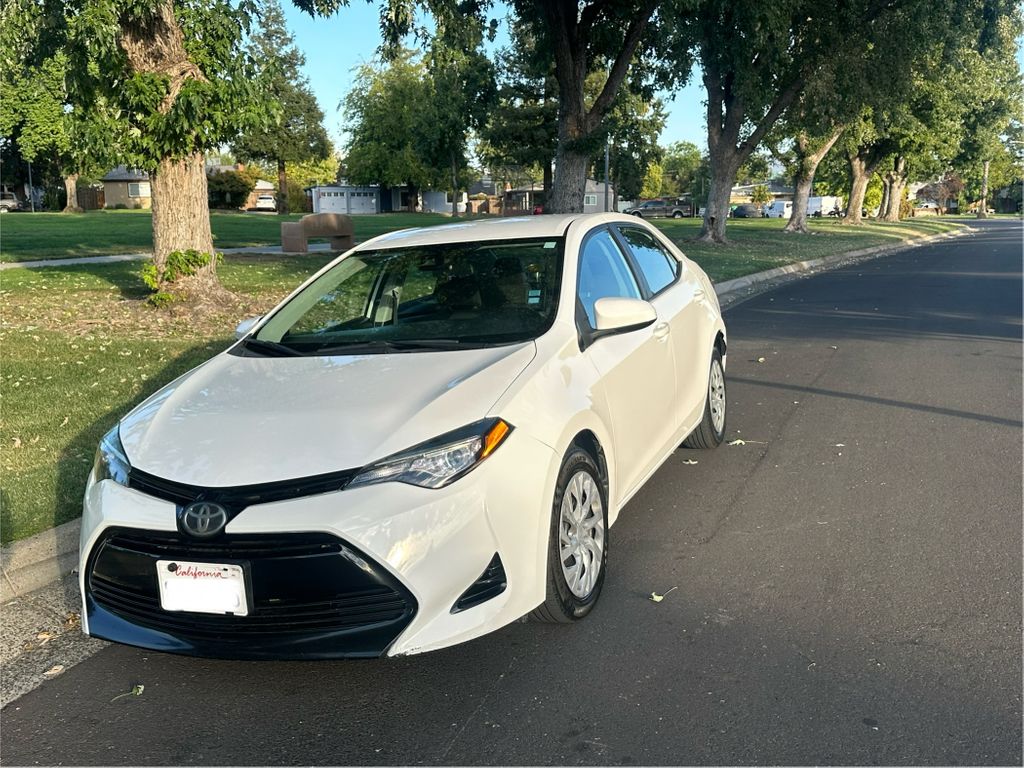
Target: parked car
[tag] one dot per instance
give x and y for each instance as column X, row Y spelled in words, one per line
column 265, row 203
column 654, row 209
column 747, row 211
column 426, row 441
column 9, row 202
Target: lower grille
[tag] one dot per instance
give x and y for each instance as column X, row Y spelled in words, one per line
column 311, row 594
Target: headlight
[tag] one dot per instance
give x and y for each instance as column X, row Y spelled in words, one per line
column 441, row 461
column 111, row 462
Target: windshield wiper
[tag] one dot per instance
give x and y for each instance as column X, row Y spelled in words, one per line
column 273, row 348
column 389, row 345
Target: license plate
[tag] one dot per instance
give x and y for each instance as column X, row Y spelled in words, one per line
column 202, row 587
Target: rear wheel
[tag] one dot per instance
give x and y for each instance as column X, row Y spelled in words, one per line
column 677, row 214
column 711, row 431
column 578, row 541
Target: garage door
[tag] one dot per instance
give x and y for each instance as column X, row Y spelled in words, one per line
column 332, row 201
column 362, row 202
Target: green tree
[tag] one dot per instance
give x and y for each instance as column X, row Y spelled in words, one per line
column 387, row 113
column 296, row 133
column 173, row 82
column 761, row 195
column 652, row 181
column 682, row 163
column 599, row 35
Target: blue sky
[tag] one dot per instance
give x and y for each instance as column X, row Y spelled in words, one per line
column 335, row 45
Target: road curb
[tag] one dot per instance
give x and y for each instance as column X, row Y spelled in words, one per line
column 731, row 291
column 34, row 562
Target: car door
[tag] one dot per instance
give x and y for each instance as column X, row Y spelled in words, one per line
column 679, row 297
column 636, row 368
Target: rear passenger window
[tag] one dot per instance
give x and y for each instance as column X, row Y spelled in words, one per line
column 603, row 273
column 658, row 268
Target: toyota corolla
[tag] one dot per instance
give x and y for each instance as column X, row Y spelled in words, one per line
column 429, row 439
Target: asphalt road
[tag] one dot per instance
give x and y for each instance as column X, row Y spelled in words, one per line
column 848, row 581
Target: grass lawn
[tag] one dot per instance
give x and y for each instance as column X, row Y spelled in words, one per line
column 30, row 236
column 80, row 348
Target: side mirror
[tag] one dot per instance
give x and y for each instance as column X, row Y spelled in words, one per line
column 245, row 326
column 619, row 315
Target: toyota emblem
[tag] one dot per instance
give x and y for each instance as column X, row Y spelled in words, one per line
column 203, row 519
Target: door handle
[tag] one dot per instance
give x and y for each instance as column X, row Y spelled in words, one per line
column 661, row 330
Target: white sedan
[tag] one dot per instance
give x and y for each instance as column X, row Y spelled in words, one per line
column 427, row 440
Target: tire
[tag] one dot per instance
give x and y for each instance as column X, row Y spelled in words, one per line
column 677, row 214
column 638, row 214
column 568, row 601
column 711, row 431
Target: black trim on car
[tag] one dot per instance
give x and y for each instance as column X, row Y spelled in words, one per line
column 492, row 582
column 236, row 498
column 312, row 595
column 645, row 287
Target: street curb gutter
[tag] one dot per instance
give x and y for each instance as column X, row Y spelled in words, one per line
column 731, row 291
column 34, row 562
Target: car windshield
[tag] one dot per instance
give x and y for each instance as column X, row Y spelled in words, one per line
column 450, row 296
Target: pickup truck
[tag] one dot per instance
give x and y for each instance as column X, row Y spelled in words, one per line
column 653, row 209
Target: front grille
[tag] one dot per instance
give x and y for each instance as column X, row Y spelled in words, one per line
column 236, row 498
column 307, row 588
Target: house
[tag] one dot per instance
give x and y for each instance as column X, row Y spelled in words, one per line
column 126, row 188
column 262, row 187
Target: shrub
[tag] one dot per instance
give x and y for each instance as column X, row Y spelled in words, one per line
column 229, row 189
column 179, row 264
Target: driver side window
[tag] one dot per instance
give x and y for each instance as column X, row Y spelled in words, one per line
column 603, row 272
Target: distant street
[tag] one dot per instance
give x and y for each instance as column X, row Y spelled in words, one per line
column 848, row 581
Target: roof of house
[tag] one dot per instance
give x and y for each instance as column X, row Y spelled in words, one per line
column 262, row 185
column 121, row 173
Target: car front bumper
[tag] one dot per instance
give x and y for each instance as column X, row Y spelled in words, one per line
column 388, row 569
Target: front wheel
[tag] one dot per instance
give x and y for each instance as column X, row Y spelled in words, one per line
column 677, row 214
column 711, row 431
column 638, row 214
column 578, row 542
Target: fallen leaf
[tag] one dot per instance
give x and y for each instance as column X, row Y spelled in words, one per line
column 53, row 671
column 135, row 691
column 840, row 445
column 760, row 359
column 65, row 422
column 690, row 462
column 72, row 620
column 17, row 442
column 834, row 347
column 739, row 441
column 44, row 637
column 656, row 598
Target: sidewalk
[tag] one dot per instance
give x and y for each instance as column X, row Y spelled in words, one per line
column 114, row 258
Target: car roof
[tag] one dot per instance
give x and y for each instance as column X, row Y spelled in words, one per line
column 510, row 228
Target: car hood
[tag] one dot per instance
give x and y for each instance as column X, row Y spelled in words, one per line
column 244, row 420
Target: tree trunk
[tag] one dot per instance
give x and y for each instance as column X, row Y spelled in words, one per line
column 570, row 32
column 548, row 177
column 282, row 187
column 716, row 213
column 883, row 207
column 897, row 178
column 983, row 206
column 807, row 166
column 71, row 186
column 181, row 211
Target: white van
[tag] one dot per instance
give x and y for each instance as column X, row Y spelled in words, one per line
column 780, row 209
column 826, row 205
